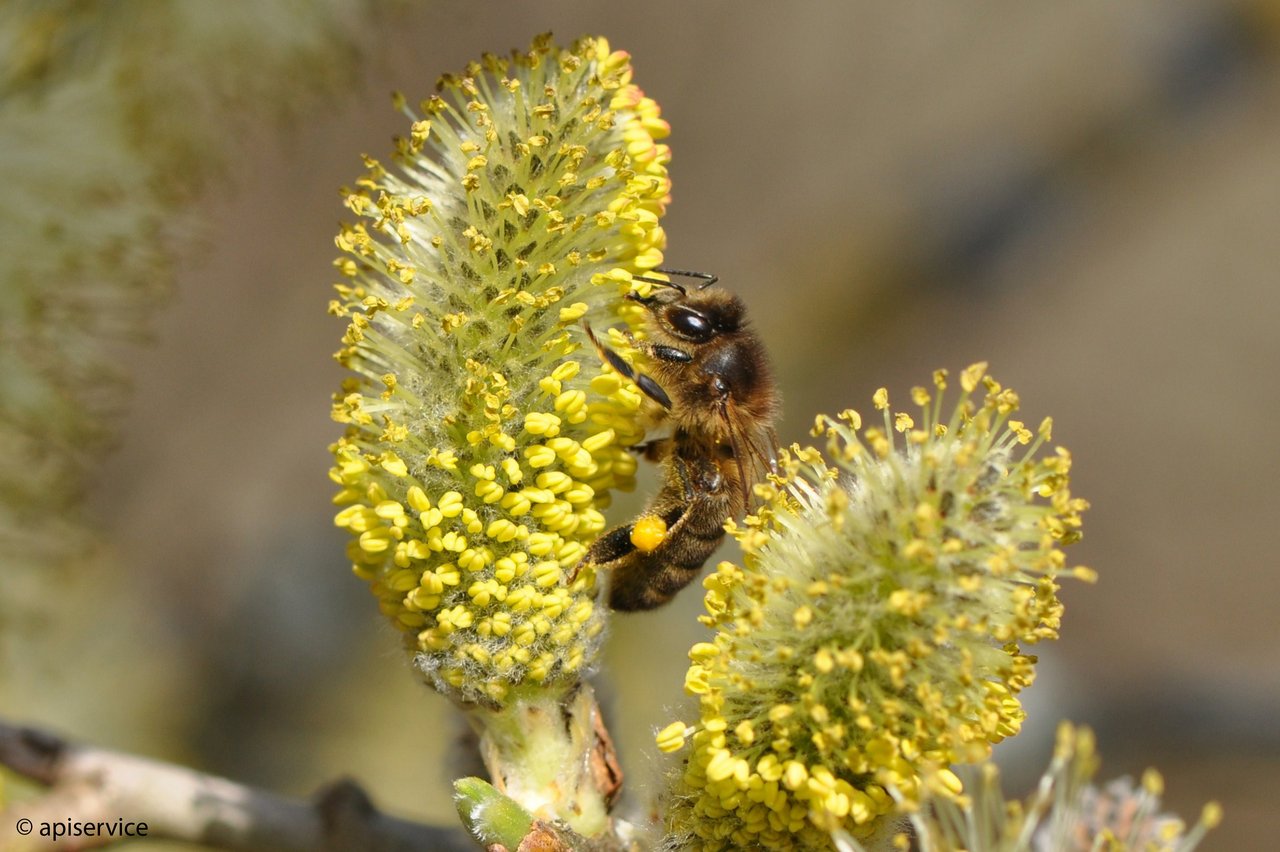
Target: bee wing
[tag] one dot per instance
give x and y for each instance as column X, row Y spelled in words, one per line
column 755, row 449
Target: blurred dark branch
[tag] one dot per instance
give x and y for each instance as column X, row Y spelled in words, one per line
column 88, row 784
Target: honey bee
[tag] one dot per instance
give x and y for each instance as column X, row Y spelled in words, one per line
column 712, row 384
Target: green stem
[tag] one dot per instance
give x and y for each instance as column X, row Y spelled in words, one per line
column 549, row 752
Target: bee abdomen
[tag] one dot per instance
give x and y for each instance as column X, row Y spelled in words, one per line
column 631, row 593
column 651, row 581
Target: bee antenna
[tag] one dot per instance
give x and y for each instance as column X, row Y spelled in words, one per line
column 706, row 277
column 673, row 285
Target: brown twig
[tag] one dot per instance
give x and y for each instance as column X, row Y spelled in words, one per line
column 111, row 789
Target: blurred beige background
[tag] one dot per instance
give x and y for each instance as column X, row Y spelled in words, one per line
column 1086, row 195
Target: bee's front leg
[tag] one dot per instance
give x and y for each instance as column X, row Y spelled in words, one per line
column 652, row 451
column 647, row 385
column 657, row 351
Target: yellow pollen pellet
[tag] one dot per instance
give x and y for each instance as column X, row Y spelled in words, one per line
column 648, row 533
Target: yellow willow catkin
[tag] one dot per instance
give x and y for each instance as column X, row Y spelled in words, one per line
column 482, row 439
column 879, row 621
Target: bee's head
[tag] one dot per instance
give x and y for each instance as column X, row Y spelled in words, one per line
column 697, row 317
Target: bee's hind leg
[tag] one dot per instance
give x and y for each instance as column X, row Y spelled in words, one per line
column 610, row 547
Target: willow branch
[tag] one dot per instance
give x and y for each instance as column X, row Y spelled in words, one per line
column 93, row 785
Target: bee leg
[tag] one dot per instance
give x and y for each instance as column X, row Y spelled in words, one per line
column 647, row 386
column 610, row 547
column 682, row 472
column 614, row 544
column 652, row 451
column 658, row 352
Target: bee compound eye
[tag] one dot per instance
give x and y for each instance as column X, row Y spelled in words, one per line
column 690, row 324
